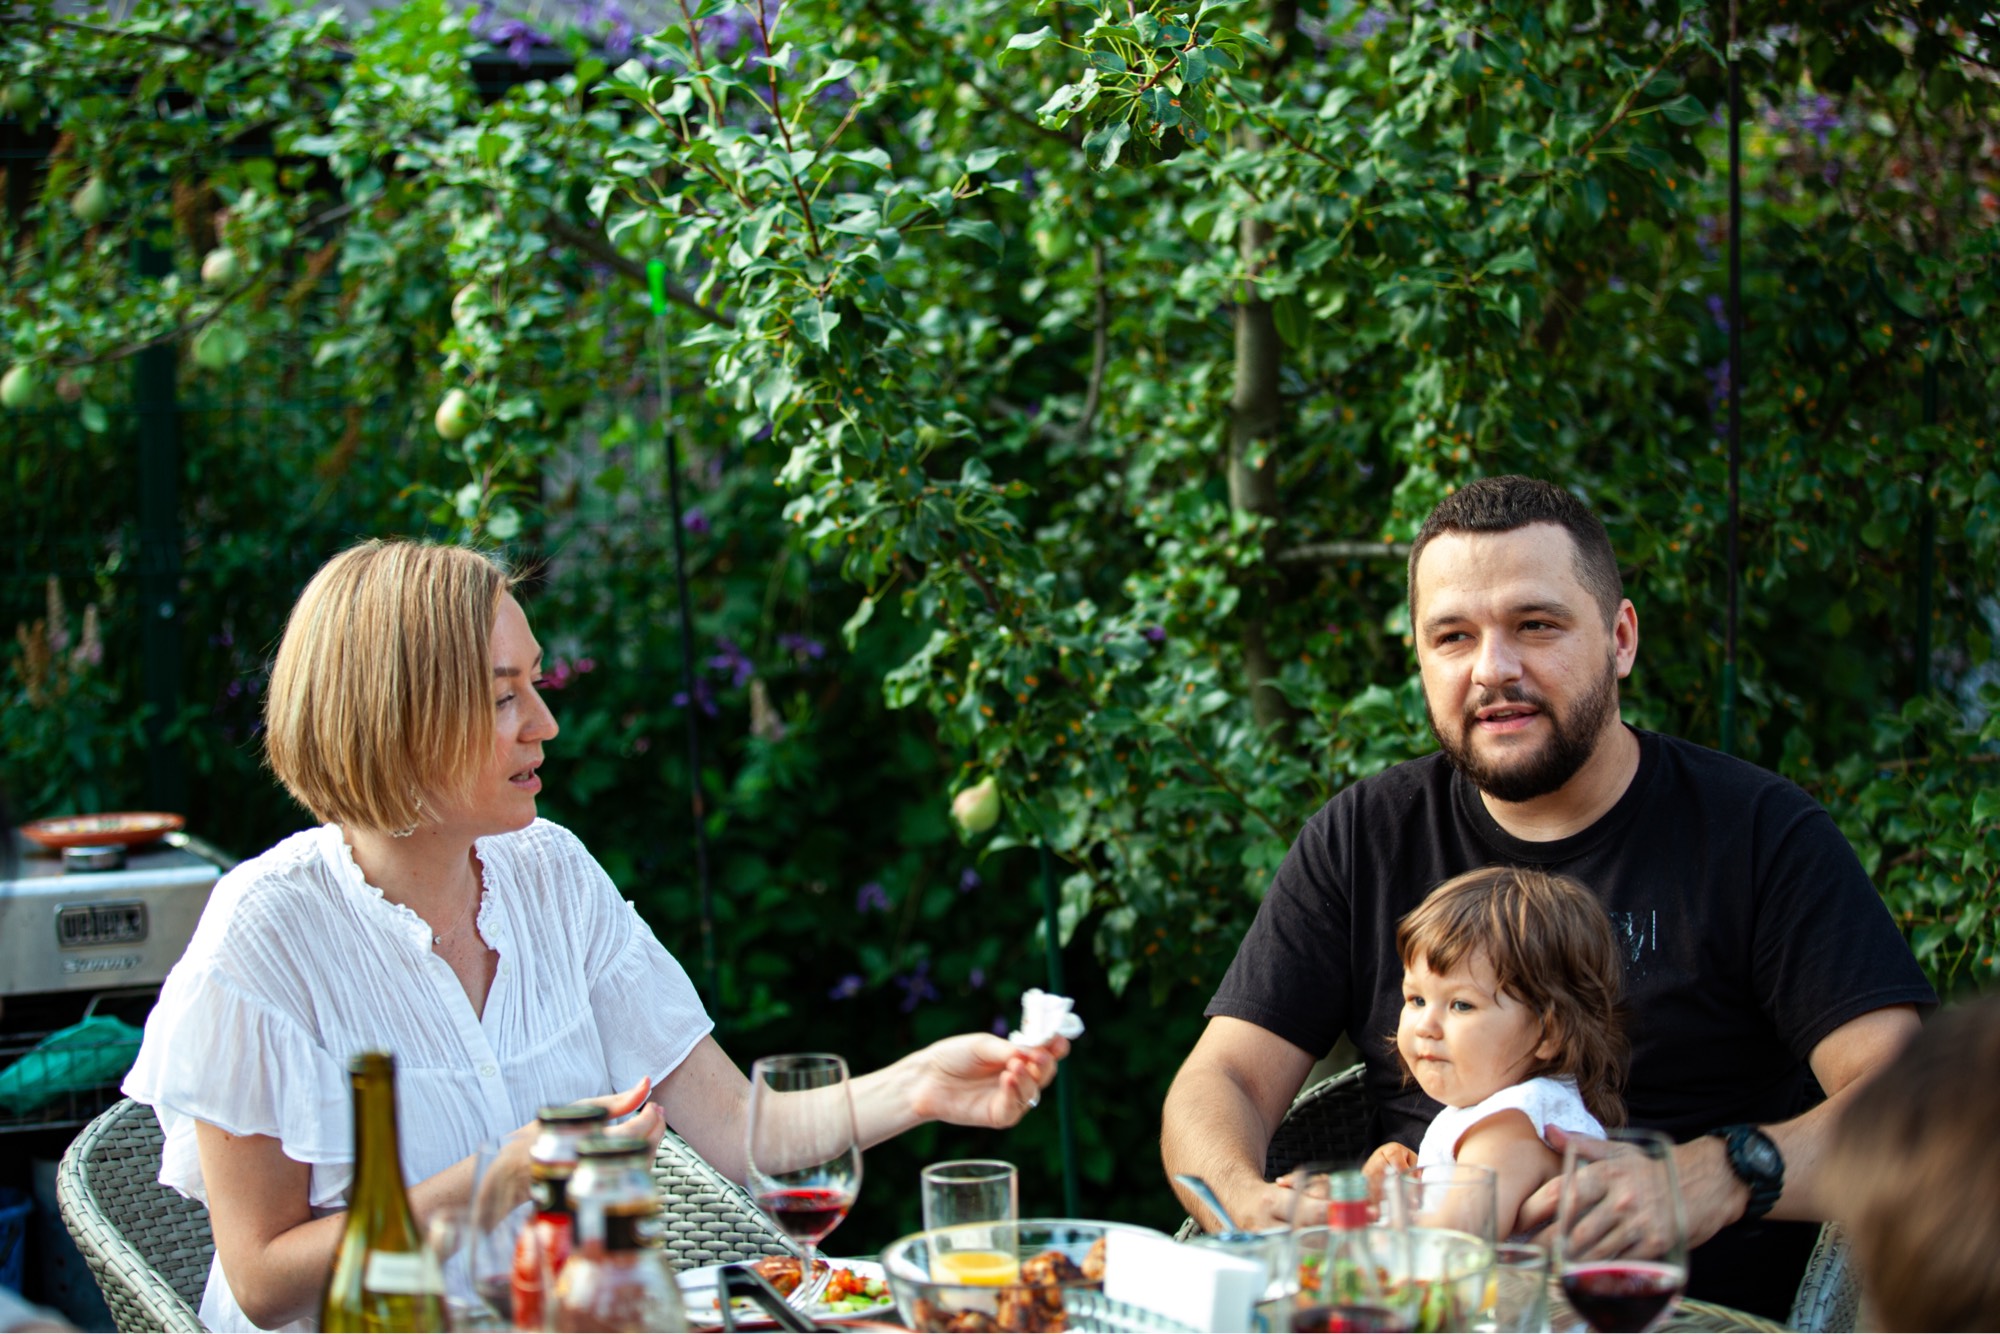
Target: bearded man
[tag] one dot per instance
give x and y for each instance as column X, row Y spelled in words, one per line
column 1765, row 980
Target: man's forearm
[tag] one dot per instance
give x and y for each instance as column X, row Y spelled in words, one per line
column 1213, row 1129
column 1844, row 1063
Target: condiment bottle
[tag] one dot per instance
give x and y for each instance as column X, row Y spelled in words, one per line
column 618, row 1277
column 545, row 1243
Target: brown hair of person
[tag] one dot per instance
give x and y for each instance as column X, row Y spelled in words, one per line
column 1551, row 947
column 381, row 699
column 1914, row 1173
column 1503, row 504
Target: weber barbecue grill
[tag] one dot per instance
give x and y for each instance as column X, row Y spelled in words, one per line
column 84, row 934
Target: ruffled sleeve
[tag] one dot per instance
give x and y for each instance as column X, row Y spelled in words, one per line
column 215, row 1053
column 649, row 1016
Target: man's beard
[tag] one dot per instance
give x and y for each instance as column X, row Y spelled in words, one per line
column 1572, row 741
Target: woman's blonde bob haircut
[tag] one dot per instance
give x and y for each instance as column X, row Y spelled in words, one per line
column 381, row 701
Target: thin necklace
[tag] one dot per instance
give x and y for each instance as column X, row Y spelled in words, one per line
column 479, row 892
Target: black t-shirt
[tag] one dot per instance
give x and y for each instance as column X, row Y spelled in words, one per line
column 1751, row 932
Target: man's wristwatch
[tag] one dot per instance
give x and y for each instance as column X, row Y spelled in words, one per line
column 1755, row 1160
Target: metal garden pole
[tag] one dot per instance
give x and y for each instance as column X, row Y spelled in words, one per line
column 1926, row 531
column 656, row 282
column 1065, row 1108
column 1735, row 375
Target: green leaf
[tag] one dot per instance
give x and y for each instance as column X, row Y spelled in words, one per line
column 815, row 323
column 984, row 232
column 982, row 159
column 1684, row 110
column 1514, row 261
column 1101, row 148
column 864, row 613
column 1026, row 41
column 1986, row 806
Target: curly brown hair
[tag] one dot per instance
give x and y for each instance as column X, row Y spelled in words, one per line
column 1551, row 945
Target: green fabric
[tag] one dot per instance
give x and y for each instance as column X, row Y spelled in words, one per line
column 82, row 1056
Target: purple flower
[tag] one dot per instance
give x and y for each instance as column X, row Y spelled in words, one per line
column 1000, row 1025
column 1372, row 21
column 695, row 521
column 1718, row 310
column 847, row 988
column 731, row 659
column 1718, row 396
column 968, row 880
column 1615, row 283
column 1028, row 180
column 916, row 985
column 803, row 646
column 976, row 978
column 1156, row 633
column 517, row 35
column 704, row 697
column 871, row 897
column 1364, row 470
column 1817, row 117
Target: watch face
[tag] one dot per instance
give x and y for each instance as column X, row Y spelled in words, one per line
column 1760, row 1155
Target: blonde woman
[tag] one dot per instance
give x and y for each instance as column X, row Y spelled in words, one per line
column 432, row 914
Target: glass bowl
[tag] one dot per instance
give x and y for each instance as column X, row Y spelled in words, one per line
column 998, row 1276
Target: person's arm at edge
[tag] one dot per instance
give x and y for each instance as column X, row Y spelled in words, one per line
column 1843, row 1061
column 276, row 1256
column 1220, row 1114
column 973, row 1079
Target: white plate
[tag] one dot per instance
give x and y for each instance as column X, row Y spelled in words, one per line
column 698, row 1288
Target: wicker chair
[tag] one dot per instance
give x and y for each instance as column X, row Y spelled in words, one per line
column 1829, row 1296
column 147, row 1245
column 1327, row 1123
column 707, row 1219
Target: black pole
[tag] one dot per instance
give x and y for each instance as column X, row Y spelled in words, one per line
column 1735, row 378
column 160, row 540
column 1926, row 528
column 656, row 275
column 1065, row 1108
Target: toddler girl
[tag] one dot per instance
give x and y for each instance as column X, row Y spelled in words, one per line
column 1510, row 1019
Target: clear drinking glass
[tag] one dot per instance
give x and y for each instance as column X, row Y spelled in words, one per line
column 1351, row 1263
column 1450, row 1210
column 495, row 1217
column 1621, row 1269
column 967, row 1192
column 1520, row 1290
column 804, row 1161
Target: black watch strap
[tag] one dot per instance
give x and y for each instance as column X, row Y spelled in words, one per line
column 1755, row 1159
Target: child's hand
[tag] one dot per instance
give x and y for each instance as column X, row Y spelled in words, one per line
column 1391, row 1160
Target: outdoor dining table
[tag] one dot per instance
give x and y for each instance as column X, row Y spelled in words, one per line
column 1690, row 1315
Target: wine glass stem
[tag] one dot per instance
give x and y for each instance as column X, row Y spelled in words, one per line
column 811, row 1282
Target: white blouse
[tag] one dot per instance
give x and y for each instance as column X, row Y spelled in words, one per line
column 299, row 963
column 1546, row 1101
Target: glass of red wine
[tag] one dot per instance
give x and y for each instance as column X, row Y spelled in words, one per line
column 804, row 1163
column 1621, row 1232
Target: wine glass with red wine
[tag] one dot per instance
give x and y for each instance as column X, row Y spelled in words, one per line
column 1621, row 1232
column 804, row 1163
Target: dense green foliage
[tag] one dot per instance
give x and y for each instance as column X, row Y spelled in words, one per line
column 1052, row 387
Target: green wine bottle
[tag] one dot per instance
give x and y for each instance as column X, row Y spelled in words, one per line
column 384, row 1276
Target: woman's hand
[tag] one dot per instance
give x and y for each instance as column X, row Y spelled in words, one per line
column 977, row 1079
column 505, row 1184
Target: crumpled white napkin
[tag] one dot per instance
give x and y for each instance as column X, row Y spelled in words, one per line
column 1045, row 1016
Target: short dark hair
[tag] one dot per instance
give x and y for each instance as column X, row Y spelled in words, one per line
column 1502, row 504
column 1914, row 1173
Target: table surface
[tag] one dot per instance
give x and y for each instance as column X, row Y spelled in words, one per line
column 1688, row 1316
